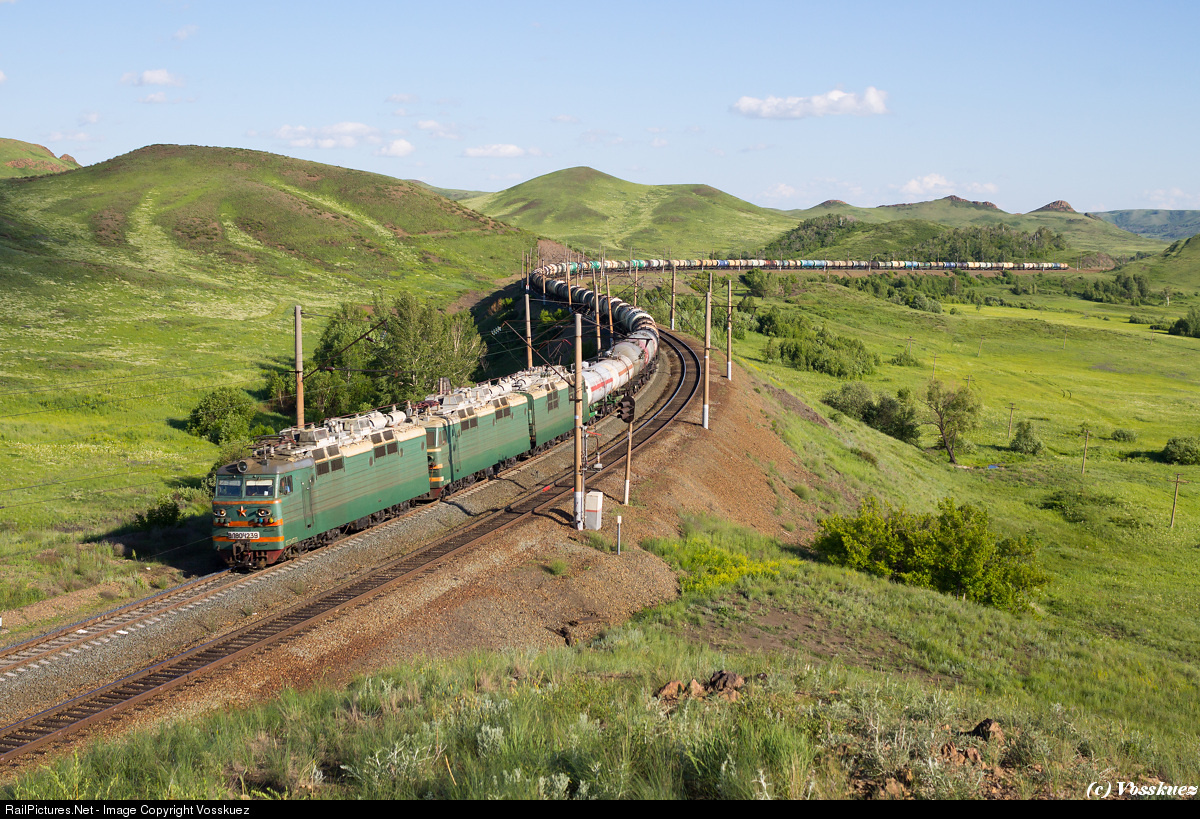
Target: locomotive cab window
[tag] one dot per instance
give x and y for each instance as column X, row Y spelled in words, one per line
column 285, row 485
column 260, row 488
column 229, row 487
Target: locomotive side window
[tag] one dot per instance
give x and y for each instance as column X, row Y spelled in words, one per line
column 260, row 488
column 229, row 487
column 285, row 485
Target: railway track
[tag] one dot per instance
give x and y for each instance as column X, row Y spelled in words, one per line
column 59, row 722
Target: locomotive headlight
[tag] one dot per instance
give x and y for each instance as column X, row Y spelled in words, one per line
column 262, row 513
column 220, row 513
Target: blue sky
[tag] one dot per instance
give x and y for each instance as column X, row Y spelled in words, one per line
column 784, row 104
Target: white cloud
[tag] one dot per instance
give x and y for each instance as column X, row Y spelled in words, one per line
column 935, row 184
column 186, row 32
column 931, row 183
column 403, row 99
column 397, row 147
column 779, row 190
column 2, row 76
column 658, row 142
column 656, row 130
column 439, row 130
column 596, row 135
column 1172, row 199
column 90, row 118
column 156, row 98
column 566, row 119
column 339, row 135
column 496, row 151
column 70, row 136
column 761, row 146
column 716, row 152
column 156, row 76
column 981, row 188
column 400, row 112
column 872, row 101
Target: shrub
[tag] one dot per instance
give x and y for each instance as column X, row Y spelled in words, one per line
column 1182, row 450
column 896, row 417
column 163, row 515
column 222, row 415
column 905, row 359
column 954, row 552
column 1026, row 440
column 1125, row 435
column 852, row 399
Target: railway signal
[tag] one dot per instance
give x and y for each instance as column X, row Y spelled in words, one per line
column 626, row 409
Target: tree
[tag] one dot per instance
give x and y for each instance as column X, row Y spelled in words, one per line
column 952, row 412
column 222, row 415
column 417, row 345
column 1026, row 440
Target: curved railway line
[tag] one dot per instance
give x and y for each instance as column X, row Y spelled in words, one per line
column 39, row 732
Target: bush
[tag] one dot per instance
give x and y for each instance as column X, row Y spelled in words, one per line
column 1127, row 436
column 1026, row 440
column 896, row 417
column 163, row 515
column 222, row 416
column 905, row 359
column 1181, row 450
column 954, row 552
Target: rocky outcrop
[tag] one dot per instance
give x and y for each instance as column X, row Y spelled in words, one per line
column 1057, row 206
column 953, row 198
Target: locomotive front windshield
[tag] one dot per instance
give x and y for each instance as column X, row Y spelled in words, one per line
column 260, row 488
column 229, row 487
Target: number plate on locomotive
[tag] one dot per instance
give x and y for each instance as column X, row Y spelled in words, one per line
column 244, row 535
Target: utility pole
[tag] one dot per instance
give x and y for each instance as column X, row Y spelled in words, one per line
column 1011, row 407
column 1086, row 433
column 908, row 346
column 978, row 354
column 729, row 335
column 608, row 294
column 578, row 422
column 1175, row 502
column 528, row 335
column 299, row 372
column 707, row 347
column 596, row 309
column 672, row 295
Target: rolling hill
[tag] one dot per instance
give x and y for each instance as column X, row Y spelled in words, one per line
column 1167, row 225
column 19, row 158
column 584, row 207
column 132, row 287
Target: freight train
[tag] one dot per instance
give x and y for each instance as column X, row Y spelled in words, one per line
column 563, row 268
column 310, row 485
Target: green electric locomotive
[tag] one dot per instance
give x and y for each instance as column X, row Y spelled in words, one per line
column 307, row 487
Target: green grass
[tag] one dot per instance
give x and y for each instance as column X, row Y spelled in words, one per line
column 132, row 287
column 18, row 159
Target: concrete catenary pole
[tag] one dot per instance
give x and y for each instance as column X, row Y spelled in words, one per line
column 707, row 348
column 729, row 334
column 596, row 309
column 528, row 335
column 579, row 422
column 299, row 372
column 672, row 295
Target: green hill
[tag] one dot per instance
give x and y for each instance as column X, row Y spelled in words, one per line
column 584, row 207
column 19, row 158
column 1084, row 234
column 1167, row 225
column 1177, row 267
column 132, row 287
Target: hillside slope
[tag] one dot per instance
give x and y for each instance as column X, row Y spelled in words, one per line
column 584, row 207
column 19, row 158
column 132, row 287
column 1177, row 267
column 1167, row 225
